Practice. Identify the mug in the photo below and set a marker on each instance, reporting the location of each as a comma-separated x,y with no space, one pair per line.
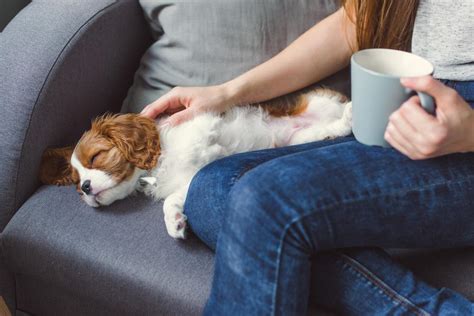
377,91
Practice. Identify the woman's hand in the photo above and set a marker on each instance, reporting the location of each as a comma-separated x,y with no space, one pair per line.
185,103
420,135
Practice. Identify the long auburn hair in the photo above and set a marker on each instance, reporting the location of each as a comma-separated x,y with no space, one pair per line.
383,23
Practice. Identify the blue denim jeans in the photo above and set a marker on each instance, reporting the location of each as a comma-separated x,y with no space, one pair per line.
274,216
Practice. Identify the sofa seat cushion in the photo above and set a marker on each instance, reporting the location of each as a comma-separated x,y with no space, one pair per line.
117,259
120,256
450,268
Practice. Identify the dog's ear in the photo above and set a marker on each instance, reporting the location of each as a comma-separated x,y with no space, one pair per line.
134,135
56,167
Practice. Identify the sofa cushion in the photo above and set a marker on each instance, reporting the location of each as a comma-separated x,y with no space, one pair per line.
119,257
211,41
62,63
121,260
116,260
450,268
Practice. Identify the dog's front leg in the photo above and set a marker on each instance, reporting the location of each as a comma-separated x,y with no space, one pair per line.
175,219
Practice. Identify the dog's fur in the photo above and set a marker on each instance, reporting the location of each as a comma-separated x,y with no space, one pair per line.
124,153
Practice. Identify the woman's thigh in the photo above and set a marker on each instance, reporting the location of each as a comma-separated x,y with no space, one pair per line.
207,199
282,212
348,194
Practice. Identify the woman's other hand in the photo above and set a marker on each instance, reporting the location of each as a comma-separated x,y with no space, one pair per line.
186,103
419,135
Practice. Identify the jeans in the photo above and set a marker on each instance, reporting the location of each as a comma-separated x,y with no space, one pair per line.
274,216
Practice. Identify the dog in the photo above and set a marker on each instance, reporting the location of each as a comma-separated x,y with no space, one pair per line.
125,153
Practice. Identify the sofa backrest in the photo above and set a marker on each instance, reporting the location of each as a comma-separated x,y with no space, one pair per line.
203,42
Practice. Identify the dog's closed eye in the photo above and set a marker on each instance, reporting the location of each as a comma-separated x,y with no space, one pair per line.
95,156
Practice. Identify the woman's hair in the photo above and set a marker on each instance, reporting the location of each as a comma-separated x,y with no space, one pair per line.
383,23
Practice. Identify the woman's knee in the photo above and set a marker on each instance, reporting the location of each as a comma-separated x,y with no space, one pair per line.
206,200
257,207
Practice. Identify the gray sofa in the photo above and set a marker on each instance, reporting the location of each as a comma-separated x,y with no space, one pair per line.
61,64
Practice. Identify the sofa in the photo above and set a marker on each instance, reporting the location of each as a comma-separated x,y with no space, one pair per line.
62,63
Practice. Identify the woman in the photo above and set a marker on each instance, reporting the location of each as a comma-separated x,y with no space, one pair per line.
283,212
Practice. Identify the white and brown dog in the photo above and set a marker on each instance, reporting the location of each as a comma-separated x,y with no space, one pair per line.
121,152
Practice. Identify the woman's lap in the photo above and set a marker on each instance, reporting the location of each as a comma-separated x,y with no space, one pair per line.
206,203
323,196
325,175
274,209
221,176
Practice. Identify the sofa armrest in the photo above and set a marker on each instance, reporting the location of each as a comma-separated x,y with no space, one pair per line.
61,64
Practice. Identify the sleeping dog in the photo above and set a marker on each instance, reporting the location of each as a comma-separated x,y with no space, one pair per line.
125,153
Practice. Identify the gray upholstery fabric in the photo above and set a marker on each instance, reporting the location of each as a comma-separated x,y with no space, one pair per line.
119,258
62,63
71,259
46,299
211,41
451,268
7,285
43,298
9,8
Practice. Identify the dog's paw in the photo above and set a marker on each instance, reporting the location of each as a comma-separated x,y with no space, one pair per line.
176,225
106,198
347,114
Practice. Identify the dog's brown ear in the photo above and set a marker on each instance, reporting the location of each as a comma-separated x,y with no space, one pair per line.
56,167
134,135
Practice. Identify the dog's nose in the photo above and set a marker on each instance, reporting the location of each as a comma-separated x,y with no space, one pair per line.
86,186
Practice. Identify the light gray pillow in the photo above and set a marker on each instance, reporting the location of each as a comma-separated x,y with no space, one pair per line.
204,42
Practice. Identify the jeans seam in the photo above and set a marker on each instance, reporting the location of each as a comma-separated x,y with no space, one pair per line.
301,217
381,285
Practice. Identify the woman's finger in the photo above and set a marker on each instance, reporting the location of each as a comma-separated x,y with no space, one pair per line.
396,145
181,117
416,116
174,110
399,120
400,142
159,106
430,86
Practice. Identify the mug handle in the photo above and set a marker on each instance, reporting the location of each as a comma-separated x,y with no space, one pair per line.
426,100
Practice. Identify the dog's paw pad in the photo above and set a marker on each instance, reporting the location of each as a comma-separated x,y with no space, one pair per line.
181,225
176,225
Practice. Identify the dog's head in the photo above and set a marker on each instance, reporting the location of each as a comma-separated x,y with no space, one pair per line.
106,156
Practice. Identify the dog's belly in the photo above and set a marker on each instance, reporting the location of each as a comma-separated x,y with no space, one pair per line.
284,128
320,113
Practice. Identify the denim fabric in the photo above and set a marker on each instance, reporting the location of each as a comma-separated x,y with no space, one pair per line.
464,88
272,214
